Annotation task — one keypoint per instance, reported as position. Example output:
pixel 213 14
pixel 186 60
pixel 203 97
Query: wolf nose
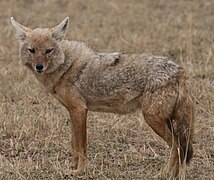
pixel 39 67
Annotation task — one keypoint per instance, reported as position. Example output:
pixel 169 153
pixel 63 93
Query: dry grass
pixel 35 130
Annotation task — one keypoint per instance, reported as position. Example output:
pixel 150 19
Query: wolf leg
pixel 161 128
pixel 157 108
pixel 79 117
pixel 73 101
pixel 75 156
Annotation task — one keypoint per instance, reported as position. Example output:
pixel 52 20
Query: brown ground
pixel 35 135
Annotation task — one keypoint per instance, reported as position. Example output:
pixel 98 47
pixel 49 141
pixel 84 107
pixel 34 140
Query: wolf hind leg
pixel 160 127
pixel 158 108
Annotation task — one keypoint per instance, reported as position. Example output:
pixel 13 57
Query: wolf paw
pixel 77 172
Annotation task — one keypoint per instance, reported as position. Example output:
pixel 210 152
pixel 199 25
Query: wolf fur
pixel 83 79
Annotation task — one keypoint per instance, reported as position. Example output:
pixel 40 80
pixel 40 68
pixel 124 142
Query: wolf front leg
pixel 74 102
pixel 79 138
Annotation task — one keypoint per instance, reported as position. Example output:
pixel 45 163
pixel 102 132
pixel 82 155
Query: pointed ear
pixel 59 31
pixel 20 30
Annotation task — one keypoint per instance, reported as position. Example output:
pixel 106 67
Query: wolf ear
pixel 59 31
pixel 20 29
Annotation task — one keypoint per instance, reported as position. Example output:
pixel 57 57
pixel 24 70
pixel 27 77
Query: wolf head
pixel 40 48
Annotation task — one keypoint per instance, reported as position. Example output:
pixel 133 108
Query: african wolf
pixel 83 79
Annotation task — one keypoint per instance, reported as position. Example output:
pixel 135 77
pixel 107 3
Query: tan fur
pixel 83 79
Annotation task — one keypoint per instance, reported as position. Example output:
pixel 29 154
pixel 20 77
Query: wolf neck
pixel 73 51
pixel 76 50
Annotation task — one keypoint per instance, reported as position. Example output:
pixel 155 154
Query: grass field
pixel 35 134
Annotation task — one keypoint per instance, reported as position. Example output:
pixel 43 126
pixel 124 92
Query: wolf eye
pixel 31 50
pixel 48 50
